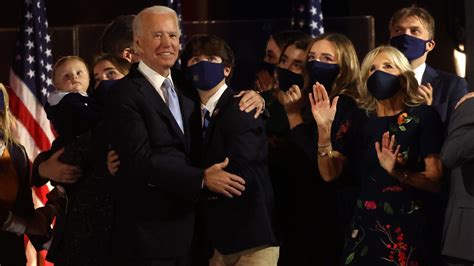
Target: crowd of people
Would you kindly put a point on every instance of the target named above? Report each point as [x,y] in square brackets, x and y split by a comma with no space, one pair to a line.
[324,162]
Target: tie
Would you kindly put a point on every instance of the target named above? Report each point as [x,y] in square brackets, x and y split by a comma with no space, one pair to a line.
[205,121]
[171,99]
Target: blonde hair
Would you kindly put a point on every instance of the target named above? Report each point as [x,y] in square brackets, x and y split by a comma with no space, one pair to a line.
[6,119]
[347,81]
[408,82]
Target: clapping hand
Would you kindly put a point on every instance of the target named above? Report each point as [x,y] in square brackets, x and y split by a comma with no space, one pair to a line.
[426,92]
[323,110]
[385,152]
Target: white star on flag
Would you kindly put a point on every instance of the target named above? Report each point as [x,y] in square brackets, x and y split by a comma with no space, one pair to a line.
[31,73]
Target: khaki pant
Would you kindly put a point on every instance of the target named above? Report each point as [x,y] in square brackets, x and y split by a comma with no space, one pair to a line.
[259,256]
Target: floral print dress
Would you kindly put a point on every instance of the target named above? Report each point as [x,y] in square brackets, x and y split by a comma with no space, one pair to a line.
[388,220]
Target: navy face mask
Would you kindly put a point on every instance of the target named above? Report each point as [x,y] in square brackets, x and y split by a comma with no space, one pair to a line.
[286,79]
[103,89]
[382,85]
[206,75]
[323,73]
[410,46]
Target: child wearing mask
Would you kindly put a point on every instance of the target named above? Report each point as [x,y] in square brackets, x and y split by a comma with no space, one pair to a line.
[239,228]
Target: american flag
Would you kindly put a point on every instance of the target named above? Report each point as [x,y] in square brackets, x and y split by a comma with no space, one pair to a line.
[308,17]
[30,84]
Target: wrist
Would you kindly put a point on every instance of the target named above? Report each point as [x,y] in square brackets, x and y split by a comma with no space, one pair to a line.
[324,134]
[325,150]
[400,174]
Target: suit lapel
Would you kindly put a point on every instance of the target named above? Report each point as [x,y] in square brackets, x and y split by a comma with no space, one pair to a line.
[155,100]
[431,76]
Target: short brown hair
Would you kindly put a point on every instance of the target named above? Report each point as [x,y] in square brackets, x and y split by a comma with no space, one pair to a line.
[414,11]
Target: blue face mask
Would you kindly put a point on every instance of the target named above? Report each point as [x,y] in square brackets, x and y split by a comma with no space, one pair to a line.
[382,85]
[323,73]
[286,79]
[205,75]
[410,46]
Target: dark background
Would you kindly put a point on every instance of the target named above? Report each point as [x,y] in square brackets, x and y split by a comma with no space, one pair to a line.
[245,24]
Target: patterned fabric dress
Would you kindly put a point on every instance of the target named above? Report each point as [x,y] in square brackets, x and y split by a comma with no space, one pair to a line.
[388,222]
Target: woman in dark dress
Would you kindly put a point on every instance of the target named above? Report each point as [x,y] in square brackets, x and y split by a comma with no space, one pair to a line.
[396,149]
[331,60]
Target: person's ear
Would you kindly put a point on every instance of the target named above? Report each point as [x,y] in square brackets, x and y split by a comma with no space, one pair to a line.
[430,45]
[227,71]
[127,54]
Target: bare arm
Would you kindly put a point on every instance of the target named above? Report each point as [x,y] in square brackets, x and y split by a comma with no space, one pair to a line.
[330,163]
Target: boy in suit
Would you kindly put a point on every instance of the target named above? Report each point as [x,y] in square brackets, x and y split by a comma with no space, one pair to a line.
[239,228]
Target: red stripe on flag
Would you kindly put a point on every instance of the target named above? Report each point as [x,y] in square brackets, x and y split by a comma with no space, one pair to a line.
[22,114]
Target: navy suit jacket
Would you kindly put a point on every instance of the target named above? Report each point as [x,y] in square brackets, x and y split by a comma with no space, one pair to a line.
[242,222]
[156,187]
[447,90]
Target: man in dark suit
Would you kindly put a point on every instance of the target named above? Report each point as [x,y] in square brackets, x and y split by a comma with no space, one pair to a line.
[412,32]
[239,228]
[150,126]
[458,155]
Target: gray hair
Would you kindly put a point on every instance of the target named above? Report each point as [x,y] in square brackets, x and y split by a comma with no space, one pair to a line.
[161,10]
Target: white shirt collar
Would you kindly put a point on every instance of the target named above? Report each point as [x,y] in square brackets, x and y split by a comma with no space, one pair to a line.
[153,77]
[419,71]
[212,102]
[56,96]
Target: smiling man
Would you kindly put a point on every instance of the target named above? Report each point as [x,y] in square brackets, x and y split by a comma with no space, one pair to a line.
[150,126]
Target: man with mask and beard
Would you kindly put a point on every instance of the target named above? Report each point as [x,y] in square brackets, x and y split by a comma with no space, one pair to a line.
[240,229]
[412,32]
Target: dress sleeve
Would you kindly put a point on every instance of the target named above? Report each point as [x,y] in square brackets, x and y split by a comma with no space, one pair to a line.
[342,130]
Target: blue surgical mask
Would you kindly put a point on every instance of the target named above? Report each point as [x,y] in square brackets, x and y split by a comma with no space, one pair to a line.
[286,79]
[382,85]
[205,75]
[410,46]
[323,73]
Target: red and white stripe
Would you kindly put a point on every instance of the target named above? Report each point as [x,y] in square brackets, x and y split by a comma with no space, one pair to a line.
[33,131]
